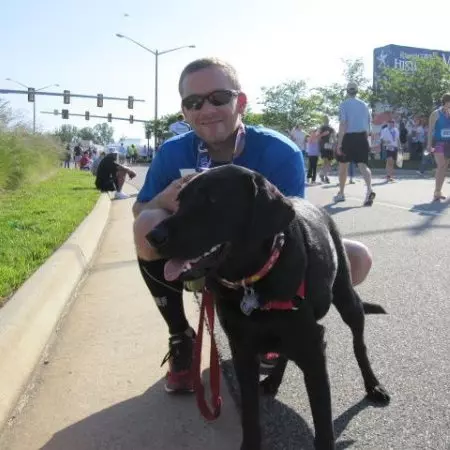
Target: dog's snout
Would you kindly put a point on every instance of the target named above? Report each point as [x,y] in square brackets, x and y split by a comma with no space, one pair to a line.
[158,237]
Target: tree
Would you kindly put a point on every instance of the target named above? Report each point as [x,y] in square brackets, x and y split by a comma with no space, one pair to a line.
[87,134]
[162,128]
[103,133]
[290,103]
[415,92]
[252,118]
[66,133]
[334,94]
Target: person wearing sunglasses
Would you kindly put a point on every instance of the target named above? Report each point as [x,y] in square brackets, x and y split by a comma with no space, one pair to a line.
[213,104]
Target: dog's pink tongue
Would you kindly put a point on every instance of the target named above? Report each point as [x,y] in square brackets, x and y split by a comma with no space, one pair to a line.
[173,268]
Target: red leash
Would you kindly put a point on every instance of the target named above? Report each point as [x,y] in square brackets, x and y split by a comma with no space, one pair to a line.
[207,305]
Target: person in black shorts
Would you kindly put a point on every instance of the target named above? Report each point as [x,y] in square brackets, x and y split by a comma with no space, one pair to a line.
[327,139]
[111,175]
[353,143]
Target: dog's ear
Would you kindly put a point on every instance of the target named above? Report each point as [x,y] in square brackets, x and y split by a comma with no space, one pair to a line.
[270,212]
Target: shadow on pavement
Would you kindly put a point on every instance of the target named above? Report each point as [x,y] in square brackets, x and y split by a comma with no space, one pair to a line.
[332,208]
[153,420]
[430,211]
[426,209]
[283,428]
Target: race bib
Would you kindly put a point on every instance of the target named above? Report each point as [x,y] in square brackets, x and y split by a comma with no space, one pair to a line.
[445,133]
[186,172]
[328,146]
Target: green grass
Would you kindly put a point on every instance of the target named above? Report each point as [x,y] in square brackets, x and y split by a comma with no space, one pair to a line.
[36,219]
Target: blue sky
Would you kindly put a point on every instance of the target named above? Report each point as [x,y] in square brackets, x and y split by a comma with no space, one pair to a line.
[74,44]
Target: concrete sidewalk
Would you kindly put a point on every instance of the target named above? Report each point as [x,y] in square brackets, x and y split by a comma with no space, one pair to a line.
[102,385]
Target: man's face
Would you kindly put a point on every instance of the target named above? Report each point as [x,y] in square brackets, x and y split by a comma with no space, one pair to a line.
[391,124]
[447,106]
[212,123]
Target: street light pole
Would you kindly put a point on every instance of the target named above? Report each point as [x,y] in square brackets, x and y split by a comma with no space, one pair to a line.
[156,54]
[155,131]
[34,103]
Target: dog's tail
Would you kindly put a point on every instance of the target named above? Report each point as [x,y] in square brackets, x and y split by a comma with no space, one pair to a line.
[373,308]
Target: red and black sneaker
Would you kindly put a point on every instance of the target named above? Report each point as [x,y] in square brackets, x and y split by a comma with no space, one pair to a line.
[179,378]
[269,360]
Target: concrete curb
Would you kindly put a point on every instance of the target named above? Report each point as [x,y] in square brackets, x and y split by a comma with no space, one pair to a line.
[29,319]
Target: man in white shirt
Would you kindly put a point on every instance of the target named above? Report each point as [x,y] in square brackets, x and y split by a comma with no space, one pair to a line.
[180,126]
[391,141]
[299,137]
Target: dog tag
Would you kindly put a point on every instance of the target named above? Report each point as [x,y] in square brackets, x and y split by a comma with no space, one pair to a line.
[249,302]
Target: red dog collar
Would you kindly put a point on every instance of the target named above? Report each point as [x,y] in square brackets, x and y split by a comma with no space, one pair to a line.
[278,243]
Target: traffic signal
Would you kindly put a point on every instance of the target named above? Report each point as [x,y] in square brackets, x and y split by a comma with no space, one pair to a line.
[86,115]
[66,97]
[65,113]
[99,100]
[130,102]
[109,117]
[31,92]
[131,118]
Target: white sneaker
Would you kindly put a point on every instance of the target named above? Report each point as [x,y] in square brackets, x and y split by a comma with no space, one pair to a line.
[339,197]
[121,196]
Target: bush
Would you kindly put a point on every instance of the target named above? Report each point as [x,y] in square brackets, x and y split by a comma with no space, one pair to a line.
[25,158]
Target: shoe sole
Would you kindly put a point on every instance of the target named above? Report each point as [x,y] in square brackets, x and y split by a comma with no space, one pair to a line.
[181,391]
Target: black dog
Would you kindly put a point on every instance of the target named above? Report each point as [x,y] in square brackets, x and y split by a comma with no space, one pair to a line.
[230,223]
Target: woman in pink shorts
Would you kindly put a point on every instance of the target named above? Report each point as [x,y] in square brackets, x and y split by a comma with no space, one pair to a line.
[439,143]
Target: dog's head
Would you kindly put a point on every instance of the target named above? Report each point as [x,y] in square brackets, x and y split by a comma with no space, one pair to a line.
[223,207]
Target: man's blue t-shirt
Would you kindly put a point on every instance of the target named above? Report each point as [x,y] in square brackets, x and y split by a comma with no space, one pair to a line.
[266,151]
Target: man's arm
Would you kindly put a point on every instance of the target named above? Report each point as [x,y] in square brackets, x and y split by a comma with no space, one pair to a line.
[156,181]
[342,127]
[431,124]
[138,207]
[125,168]
[289,175]
[342,131]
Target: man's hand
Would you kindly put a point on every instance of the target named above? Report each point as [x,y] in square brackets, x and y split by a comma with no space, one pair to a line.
[167,199]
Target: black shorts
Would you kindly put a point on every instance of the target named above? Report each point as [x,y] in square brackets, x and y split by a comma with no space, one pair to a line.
[392,154]
[355,148]
[106,185]
[326,153]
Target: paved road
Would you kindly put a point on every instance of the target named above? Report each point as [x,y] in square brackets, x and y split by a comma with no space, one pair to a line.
[409,347]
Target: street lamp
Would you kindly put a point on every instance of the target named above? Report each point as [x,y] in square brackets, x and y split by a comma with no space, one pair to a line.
[156,54]
[34,103]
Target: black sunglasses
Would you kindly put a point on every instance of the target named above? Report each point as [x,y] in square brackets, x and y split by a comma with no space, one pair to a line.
[216,98]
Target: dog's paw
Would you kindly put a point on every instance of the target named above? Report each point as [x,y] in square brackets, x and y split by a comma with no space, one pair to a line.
[269,387]
[378,394]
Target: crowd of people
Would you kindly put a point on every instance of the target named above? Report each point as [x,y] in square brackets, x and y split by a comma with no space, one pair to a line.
[420,139]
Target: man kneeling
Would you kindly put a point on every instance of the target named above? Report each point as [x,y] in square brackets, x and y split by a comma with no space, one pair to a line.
[111,176]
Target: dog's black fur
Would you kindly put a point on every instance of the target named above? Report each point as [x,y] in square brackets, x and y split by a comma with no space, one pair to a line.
[240,209]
